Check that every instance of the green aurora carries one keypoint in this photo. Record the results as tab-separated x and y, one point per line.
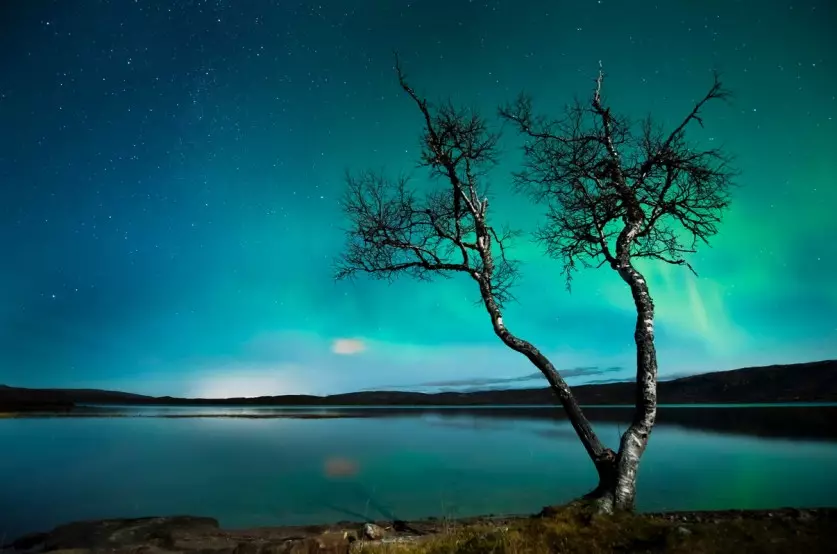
170	198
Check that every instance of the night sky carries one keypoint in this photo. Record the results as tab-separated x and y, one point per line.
170	177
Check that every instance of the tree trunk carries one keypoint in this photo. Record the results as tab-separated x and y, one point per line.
617	472
605	492
616	490
599	454
635	438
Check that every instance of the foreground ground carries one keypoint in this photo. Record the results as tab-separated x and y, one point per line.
560	530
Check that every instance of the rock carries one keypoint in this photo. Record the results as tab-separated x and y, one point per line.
169	535
333	542
684	531
373	532
26	542
118	534
328	543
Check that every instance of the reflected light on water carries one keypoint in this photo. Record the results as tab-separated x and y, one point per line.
340	467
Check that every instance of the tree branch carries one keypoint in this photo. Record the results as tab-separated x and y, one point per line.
396	232
614	193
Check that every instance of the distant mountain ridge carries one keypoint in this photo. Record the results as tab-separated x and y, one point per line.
802	382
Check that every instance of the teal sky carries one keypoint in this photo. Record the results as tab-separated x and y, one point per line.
171	172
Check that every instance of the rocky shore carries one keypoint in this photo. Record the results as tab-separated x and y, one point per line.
564	529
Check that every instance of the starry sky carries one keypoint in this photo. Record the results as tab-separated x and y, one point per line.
171	170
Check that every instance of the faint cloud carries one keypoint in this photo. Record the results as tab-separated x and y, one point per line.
478	381
304	362
348	347
487	383
608	381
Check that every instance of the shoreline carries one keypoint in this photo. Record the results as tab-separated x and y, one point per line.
574	526
780	421
331	411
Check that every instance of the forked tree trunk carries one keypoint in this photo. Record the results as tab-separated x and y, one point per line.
617	471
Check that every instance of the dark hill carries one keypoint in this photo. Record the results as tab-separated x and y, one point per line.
805	382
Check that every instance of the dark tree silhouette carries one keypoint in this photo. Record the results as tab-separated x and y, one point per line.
394	231
448	232
615	193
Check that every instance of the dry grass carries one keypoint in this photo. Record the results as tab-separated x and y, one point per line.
577	530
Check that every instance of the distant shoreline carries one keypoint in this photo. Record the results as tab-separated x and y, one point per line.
111	410
813	382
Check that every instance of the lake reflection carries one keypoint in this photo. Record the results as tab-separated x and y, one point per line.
387	464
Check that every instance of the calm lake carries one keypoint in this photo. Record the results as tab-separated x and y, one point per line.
357	463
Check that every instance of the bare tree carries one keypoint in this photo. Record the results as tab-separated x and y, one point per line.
615	193
448	232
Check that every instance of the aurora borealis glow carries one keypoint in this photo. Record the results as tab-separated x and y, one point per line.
170	174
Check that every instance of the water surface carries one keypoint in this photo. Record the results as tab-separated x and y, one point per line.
403	463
